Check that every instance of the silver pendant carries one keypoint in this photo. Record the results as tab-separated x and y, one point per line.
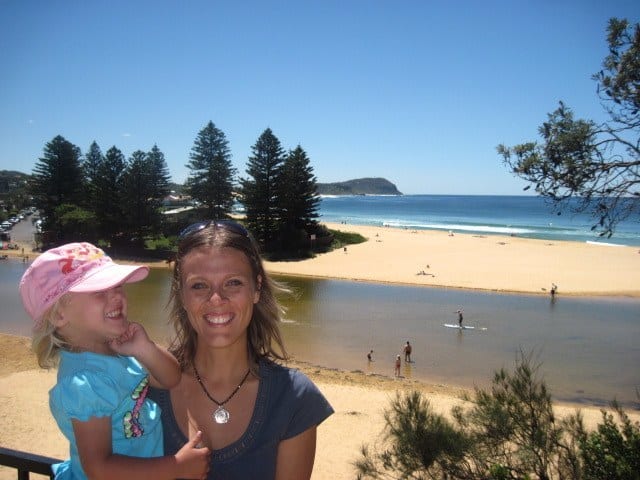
221	415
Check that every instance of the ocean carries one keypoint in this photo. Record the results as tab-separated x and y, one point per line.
524	216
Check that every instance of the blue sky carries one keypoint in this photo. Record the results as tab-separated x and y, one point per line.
418	92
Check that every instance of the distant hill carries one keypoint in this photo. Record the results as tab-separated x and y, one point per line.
11	180
359	186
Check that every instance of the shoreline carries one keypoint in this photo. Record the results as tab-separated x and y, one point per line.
490	263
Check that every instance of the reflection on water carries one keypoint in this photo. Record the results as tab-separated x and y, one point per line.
588	347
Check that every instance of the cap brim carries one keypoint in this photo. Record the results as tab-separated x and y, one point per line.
109	276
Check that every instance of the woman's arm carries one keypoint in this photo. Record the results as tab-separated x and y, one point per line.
93	439
296	456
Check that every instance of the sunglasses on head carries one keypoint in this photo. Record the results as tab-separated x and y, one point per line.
230	225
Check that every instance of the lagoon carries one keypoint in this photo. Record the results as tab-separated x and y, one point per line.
588	348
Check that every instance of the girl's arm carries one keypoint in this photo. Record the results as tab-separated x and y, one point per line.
163	368
296	456
93	439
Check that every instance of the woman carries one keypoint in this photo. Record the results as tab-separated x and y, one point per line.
258	418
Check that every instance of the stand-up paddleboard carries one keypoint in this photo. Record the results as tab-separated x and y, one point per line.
464	327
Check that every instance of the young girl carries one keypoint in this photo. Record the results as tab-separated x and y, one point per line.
74	293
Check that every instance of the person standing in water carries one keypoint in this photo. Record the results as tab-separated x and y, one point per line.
460	317
407	352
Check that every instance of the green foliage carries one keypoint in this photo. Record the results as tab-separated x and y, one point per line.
513	426
57	179
75	224
144	185
341	239
211	180
109	194
260	190
597	163
613	450
419	442
298	197
506	432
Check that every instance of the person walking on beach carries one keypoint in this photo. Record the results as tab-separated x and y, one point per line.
398	364
460	317
258	416
407	352
106	364
370	356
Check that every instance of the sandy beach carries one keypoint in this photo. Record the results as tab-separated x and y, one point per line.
508	264
494	263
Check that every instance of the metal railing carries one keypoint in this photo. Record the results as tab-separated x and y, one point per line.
26	463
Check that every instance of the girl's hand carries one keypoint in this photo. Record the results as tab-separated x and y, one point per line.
131	342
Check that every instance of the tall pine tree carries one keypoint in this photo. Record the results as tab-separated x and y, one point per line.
145	184
299	200
211	180
93	161
159	176
109	188
260	189
57	179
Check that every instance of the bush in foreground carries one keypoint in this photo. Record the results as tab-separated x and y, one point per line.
507	432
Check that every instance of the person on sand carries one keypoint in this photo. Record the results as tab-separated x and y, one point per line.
407	352
397	366
460	317
75	295
258	417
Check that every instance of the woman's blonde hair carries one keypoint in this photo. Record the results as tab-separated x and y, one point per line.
264	339
46	342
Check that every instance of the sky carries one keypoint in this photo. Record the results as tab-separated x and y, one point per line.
417	92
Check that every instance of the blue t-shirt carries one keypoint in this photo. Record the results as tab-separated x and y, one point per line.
288	403
94	385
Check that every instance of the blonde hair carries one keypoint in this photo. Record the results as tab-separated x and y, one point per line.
46	342
263	334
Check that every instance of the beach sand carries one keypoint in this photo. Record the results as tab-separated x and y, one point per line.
508	264
494	263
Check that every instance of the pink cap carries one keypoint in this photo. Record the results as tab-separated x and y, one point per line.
74	267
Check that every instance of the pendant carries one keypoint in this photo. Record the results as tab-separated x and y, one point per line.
221	415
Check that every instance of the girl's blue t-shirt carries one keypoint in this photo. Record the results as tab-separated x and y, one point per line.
288	403
94	385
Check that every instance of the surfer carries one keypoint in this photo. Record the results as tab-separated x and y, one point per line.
460	317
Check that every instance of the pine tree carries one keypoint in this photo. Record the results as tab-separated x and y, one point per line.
91	165
260	190
109	188
159	176
211	180
145	183
299	200
57	179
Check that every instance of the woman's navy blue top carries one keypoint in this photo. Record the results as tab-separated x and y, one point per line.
288	403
